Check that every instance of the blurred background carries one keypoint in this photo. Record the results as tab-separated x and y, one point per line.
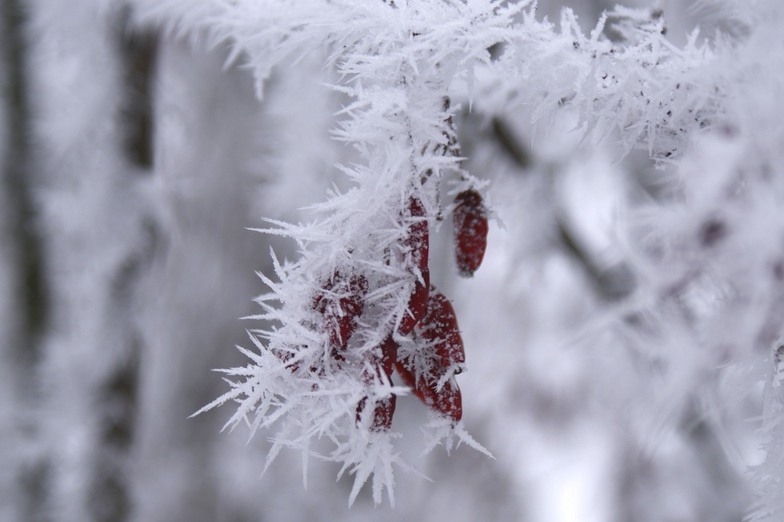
133	162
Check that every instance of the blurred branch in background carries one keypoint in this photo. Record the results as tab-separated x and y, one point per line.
118	395
25	300
511	144
138	54
611	283
19	184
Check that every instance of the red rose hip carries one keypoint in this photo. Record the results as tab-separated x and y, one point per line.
447	401
341	305
439	327
470	228
417	247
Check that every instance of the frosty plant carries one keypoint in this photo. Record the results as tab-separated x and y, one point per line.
356	310
358	302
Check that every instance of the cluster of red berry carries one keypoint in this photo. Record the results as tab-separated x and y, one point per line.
429	317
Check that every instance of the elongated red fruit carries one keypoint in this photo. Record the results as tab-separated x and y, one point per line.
384	409
383	413
470	227
417	246
417	305
418	237
448	401
388	355
341	305
439	327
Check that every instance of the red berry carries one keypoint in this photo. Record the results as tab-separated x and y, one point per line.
341	305
383	412
470	227
447	401
388	355
442	353
439	326
384	409
418	237
417	246
417	305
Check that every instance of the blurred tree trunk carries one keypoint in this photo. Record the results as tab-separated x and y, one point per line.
90	78
23	298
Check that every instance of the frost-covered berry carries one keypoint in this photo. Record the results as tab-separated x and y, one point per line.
340	304
384	409
439	328
417	305
429	369
470	227
447	400
416	245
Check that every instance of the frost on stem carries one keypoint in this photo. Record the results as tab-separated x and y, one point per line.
636	87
